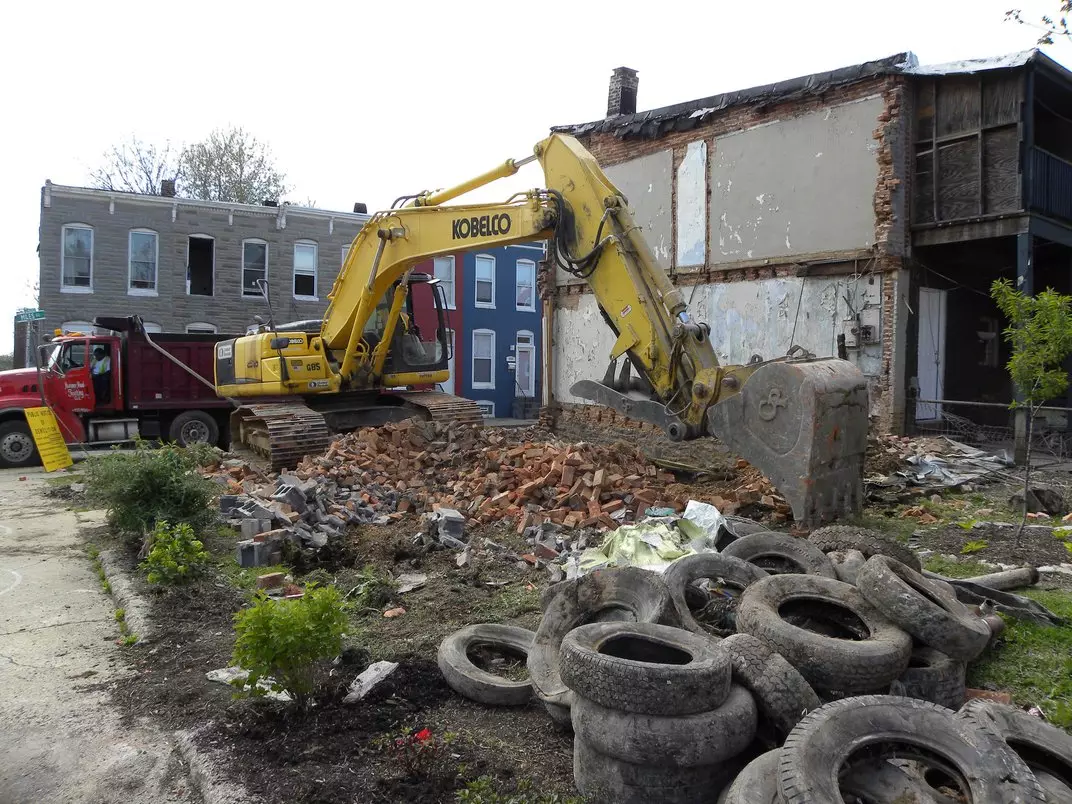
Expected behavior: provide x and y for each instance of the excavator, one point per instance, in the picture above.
(799, 419)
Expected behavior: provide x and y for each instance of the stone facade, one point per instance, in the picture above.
(177, 225)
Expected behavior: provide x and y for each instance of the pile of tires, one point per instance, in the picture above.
(780, 670)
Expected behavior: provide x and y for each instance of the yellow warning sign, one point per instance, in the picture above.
(46, 434)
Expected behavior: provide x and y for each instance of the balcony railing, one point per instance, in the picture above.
(1051, 192)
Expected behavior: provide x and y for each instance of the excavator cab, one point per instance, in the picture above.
(419, 341)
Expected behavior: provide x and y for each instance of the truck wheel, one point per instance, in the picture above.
(194, 427)
(17, 446)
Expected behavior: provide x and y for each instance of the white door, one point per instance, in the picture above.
(526, 364)
(448, 386)
(931, 352)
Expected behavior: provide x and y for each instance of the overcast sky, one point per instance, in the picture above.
(368, 101)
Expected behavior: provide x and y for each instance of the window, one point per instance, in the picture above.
(526, 285)
(525, 364)
(201, 328)
(254, 266)
(305, 258)
(151, 327)
(485, 281)
(200, 265)
(76, 259)
(142, 254)
(483, 358)
(78, 326)
(487, 409)
(443, 269)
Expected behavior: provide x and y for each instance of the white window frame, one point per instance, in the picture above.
(155, 289)
(202, 327)
(481, 403)
(316, 269)
(451, 296)
(69, 326)
(202, 237)
(473, 358)
(149, 325)
(242, 276)
(529, 346)
(529, 265)
(476, 282)
(65, 288)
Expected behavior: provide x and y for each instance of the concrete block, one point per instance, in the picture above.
(250, 528)
(253, 554)
(229, 503)
(292, 496)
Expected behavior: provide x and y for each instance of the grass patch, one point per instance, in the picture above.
(246, 578)
(1033, 662)
(58, 481)
(952, 568)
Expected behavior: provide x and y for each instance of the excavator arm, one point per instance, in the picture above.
(802, 421)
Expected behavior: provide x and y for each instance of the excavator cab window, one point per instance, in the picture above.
(420, 337)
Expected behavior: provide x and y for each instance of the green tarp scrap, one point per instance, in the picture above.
(652, 544)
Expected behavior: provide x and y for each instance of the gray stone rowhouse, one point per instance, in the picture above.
(182, 264)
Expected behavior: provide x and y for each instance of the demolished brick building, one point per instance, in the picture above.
(862, 211)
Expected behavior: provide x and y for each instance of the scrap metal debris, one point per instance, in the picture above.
(930, 463)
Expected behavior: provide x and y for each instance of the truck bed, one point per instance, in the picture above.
(157, 383)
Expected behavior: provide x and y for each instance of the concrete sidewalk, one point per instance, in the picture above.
(61, 742)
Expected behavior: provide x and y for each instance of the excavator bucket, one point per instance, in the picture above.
(803, 423)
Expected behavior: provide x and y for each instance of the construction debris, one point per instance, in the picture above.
(458, 477)
(373, 675)
(929, 463)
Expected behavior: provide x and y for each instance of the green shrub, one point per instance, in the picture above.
(176, 555)
(141, 486)
(289, 640)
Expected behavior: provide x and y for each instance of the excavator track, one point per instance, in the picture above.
(286, 432)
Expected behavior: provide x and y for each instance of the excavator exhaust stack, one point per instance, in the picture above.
(803, 423)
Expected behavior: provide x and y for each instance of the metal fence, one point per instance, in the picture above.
(990, 424)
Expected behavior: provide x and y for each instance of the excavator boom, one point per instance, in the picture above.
(800, 420)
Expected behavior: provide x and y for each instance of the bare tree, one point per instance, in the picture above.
(1049, 26)
(231, 165)
(137, 167)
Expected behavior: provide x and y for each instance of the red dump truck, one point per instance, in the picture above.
(148, 390)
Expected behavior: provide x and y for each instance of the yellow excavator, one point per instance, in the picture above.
(800, 420)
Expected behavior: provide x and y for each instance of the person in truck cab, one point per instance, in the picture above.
(101, 369)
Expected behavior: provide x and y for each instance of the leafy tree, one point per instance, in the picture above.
(231, 165)
(1040, 334)
(7, 362)
(137, 167)
(1049, 26)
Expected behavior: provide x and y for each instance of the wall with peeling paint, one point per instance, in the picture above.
(646, 183)
(799, 186)
(763, 317)
(692, 206)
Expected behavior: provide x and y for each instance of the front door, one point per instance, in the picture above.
(931, 352)
(526, 365)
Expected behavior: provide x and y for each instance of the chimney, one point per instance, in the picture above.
(360, 208)
(167, 188)
(623, 89)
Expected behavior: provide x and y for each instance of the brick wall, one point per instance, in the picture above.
(887, 258)
(172, 307)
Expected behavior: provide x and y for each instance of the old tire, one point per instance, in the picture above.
(687, 741)
(928, 611)
(840, 538)
(645, 668)
(465, 678)
(17, 447)
(783, 696)
(860, 650)
(638, 594)
(757, 783)
(932, 676)
(194, 427)
(560, 715)
(847, 564)
(605, 780)
(778, 553)
(882, 781)
(734, 573)
(1046, 749)
(818, 748)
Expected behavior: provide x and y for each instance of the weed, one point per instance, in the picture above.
(966, 525)
(289, 640)
(1033, 662)
(145, 485)
(120, 615)
(129, 641)
(107, 587)
(175, 554)
(415, 751)
(482, 791)
(93, 551)
(951, 568)
(975, 546)
(374, 591)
